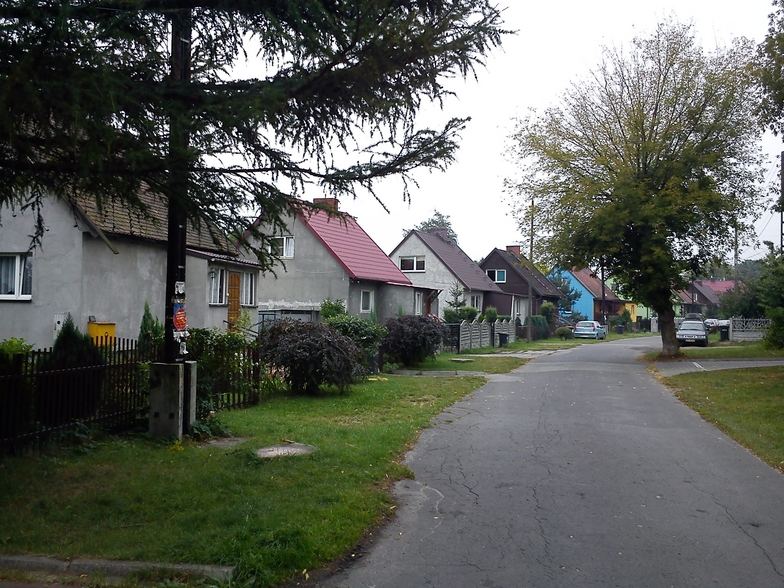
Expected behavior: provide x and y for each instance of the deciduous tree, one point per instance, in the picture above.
(644, 164)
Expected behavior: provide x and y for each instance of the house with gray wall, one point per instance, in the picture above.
(101, 266)
(325, 254)
(430, 259)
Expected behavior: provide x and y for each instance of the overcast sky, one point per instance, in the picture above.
(556, 43)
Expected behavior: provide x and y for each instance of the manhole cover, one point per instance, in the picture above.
(285, 450)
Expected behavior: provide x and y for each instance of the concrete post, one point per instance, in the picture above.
(190, 396)
(166, 389)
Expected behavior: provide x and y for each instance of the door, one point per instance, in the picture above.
(234, 298)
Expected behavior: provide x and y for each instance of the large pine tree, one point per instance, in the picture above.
(89, 98)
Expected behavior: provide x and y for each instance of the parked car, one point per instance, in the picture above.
(589, 330)
(692, 332)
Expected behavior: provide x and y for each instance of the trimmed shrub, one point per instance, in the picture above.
(547, 310)
(451, 316)
(491, 314)
(564, 333)
(67, 396)
(467, 313)
(541, 330)
(367, 335)
(311, 355)
(412, 339)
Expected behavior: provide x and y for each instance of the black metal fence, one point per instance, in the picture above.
(39, 404)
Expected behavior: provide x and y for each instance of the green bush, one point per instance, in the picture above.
(150, 334)
(541, 330)
(311, 355)
(547, 310)
(8, 349)
(332, 308)
(564, 333)
(367, 335)
(774, 335)
(467, 313)
(412, 339)
(451, 316)
(63, 397)
(491, 314)
(15, 399)
(223, 367)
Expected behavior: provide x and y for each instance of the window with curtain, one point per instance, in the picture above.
(217, 286)
(16, 276)
(247, 289)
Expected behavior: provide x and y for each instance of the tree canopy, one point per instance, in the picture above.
(437, 221)
(279, 95)
(645, 166)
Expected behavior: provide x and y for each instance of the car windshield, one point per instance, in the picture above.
(691, 327)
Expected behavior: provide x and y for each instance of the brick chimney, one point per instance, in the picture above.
(513, 249)
(331, 203)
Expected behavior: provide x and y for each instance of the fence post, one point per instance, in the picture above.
(167, 381)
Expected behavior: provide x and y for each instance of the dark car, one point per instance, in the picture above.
(692, 332)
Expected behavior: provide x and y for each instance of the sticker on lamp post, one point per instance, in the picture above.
(179, 316)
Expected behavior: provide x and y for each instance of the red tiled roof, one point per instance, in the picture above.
(353, 248)
(593, 284)
(719, 286)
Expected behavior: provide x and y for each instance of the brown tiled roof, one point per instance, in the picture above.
(540, 284)
(115, 218)
(353, 248)
(593, 284)
(463, 267)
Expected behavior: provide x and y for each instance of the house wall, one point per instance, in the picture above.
(312, 276)
(55, 265)
(436, 275)
(584, 304)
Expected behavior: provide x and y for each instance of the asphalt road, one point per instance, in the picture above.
(578, 470)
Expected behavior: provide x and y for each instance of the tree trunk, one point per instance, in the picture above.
(670, 347)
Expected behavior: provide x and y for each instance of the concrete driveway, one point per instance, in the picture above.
(579, 469)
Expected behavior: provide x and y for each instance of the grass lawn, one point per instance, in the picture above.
(747, 404)
(724, 350)
(133, 498)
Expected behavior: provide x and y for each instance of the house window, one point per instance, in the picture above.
(498, 276)
(16, 276)
(247, 289)
(366, 301)
(418, 302)
(475, 301)
(217, 286)
(412, 263)
(282, 247)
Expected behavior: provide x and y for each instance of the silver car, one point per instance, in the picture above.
(692, 332)
(589, 330)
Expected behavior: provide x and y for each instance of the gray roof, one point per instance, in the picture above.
(462, 267)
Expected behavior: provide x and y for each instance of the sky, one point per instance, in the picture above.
(555, 44)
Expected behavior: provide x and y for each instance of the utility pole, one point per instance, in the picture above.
(781, 203)
(179, 138)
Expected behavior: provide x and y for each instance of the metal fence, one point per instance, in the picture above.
(38, 401)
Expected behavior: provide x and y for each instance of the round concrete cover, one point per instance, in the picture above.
(285, 450)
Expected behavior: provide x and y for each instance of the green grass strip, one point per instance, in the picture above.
(747, 404)
(193, 503)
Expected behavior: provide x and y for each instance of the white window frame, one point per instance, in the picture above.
(419, 303)
(475, 300)
(218, 286)
(247, 289)
(285, 247)
(417, 263)
(496, 275)
(366, 296)
(22, 287)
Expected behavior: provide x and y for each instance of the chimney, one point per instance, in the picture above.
(513, 249)
(330, 203)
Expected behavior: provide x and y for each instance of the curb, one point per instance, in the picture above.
(110, 568)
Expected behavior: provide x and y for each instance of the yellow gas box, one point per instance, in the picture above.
(101, 330)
